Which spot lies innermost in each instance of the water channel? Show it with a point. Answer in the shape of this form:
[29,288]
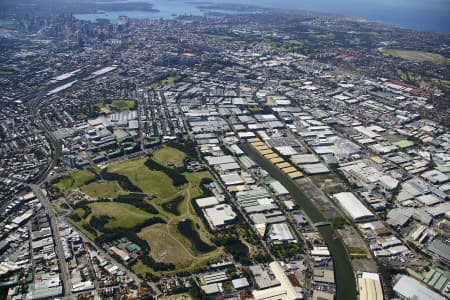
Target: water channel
[345,279]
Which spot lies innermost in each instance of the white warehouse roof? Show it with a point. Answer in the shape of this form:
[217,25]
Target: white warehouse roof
[281,232]
[410,288]
[278,188]
[353,206]
[231,179]
[207,201]
[220,215]
[218,160]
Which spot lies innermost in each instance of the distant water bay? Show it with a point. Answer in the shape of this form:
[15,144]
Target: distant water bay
[430,15]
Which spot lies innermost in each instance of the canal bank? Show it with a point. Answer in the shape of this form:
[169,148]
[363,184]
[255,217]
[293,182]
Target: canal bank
[345,279]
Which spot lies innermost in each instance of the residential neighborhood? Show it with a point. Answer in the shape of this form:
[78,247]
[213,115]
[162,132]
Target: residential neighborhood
[207,157]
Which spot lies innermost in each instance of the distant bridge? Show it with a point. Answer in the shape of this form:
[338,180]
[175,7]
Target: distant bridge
[319,224]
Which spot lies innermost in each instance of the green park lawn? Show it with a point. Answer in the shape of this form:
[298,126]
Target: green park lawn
[166,155]
[74,180]
[6,73]
[150,181]
[170,80]
[195,179]
[123,215]
[103,189]
[121,105]
[418,56]
[167,243]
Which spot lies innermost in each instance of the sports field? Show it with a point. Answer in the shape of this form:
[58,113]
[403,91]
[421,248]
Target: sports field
[184,296]
[5,73]
[170,80]
[121,105]
[418,56]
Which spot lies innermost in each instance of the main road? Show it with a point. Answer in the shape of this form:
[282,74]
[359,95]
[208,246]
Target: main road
[64,270]
[34,101]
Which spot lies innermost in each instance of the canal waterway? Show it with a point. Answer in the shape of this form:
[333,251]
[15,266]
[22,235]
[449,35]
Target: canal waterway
[345,279]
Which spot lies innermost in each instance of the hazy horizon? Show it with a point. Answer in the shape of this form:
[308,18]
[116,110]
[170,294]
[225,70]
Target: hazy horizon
[417,14]
[432,15]
[413,14]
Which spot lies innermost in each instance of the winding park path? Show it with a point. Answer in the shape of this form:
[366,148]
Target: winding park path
[167,243]
[178,242]
[187,195]
[186,215]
